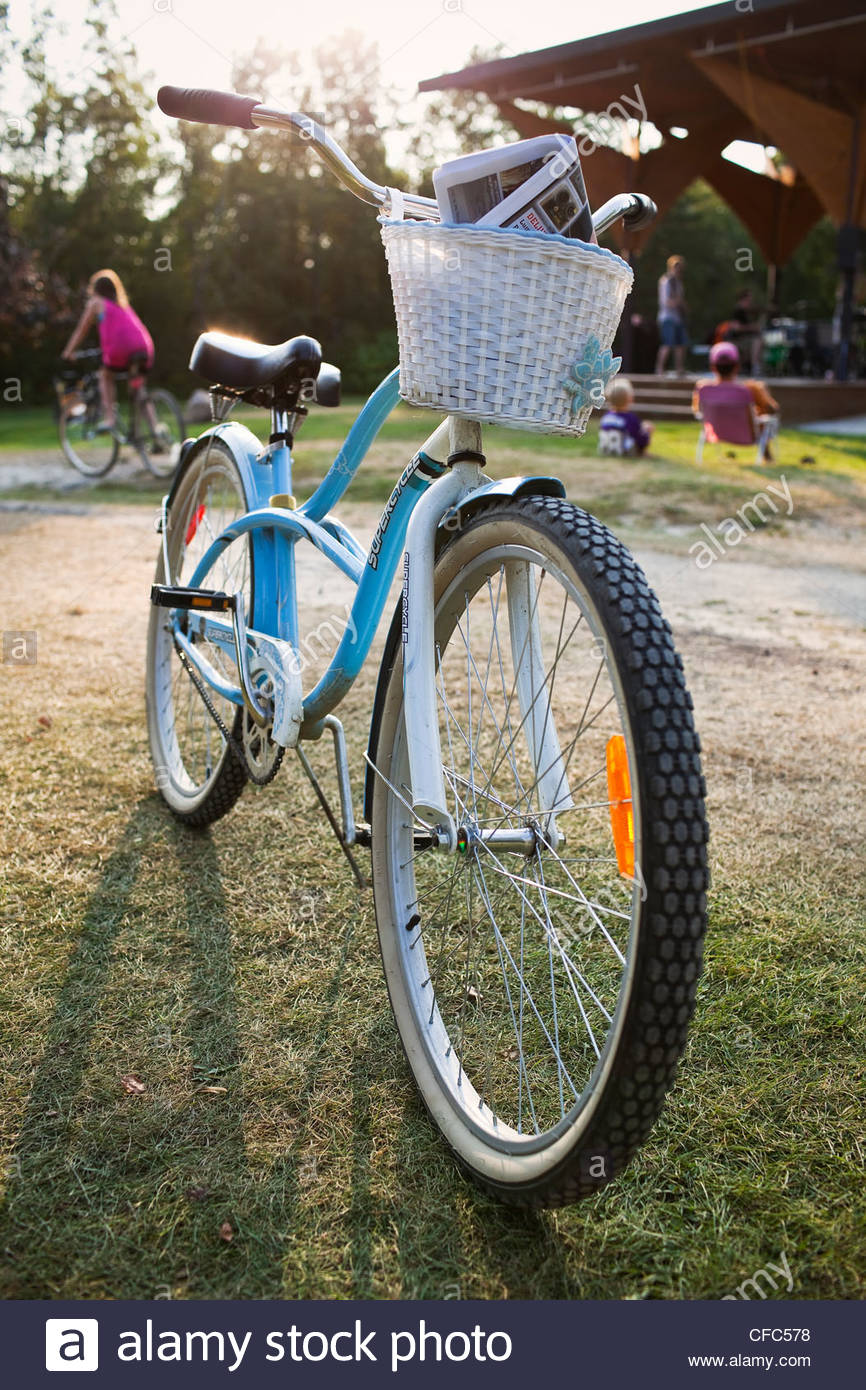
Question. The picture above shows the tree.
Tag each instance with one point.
(457, 122)
(808, 284)
(264, 241)
(81, 179)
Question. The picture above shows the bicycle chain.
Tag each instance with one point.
(236, 748)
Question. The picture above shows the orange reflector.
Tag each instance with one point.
(621, 809)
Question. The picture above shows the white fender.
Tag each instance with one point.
(464, 486)
(419, 655)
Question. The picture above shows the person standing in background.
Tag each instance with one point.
(672, 316)
(746, 331)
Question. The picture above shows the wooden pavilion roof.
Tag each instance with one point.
(788, 73)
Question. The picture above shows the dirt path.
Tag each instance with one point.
(48, 468)
(774, 655)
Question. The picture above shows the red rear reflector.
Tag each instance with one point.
(194, 523)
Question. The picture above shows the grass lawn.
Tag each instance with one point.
(667, 488)
(277, 1148)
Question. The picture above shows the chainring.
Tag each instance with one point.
(256, 750)
(261, 755)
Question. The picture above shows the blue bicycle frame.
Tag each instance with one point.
(275, 529)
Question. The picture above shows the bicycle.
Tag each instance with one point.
(154, 426)
(533, 795)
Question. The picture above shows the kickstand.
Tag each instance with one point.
(339, 831)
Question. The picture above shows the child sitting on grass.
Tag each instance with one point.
(622, 431)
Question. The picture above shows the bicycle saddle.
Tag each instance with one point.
(245, 365)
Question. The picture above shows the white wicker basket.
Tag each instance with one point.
(510, 327)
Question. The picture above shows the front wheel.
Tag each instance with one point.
(543, 975)
(86, 443)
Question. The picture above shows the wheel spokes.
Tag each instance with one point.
(210, 506)
(521, 965)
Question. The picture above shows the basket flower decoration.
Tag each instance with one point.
(588, 377)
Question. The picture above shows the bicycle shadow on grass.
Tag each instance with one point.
(83, 1165)
(452, 1238)
(125, 1196)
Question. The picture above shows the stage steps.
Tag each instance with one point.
(663, 397)
(800, 399)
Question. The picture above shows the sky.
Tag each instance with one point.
(195, 42)
(417, 38)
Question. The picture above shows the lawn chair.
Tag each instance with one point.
(728, 416)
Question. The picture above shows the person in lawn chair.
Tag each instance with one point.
(622, 431)
(733, 411)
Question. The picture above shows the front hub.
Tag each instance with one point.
(521, 839)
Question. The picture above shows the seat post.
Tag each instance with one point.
(280, 449)
(281, 420)
(279, 455)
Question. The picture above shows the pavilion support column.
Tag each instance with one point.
(848, 245)
(773, 278)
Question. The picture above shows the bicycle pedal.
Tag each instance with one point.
(202, 600)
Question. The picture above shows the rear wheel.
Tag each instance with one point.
(159, 447)
(542, 976)
(197, 771)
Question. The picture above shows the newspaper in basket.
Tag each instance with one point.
(508, 327)
(534, 185)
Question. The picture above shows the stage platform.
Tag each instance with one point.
(801, 399)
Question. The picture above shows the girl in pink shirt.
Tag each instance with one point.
(122, 336)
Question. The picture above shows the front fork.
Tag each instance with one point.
(420, 702)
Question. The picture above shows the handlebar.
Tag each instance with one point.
(226, 108)
(82, 357)
(247, 113)
(636, 210)
(207, 107)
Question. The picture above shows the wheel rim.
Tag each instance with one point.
(191, 745)
(519, 966)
